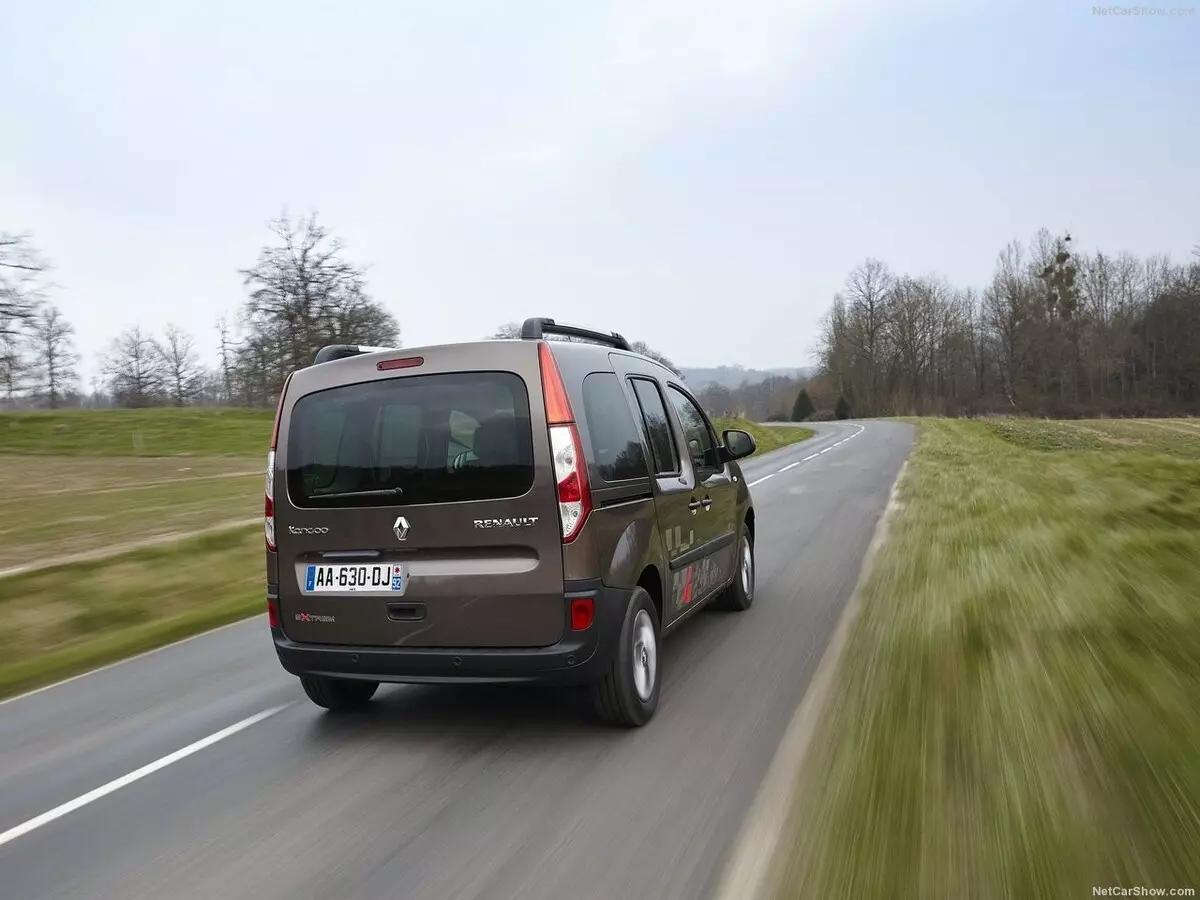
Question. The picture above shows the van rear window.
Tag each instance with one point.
(417, 439)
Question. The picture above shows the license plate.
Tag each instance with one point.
(349, 579)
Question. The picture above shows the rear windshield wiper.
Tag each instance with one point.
(342, 495)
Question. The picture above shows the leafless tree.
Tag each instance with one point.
(21, 270)
(1054, 332)
(181, 367)
(134, 366)
(303, 294)
(54, 356)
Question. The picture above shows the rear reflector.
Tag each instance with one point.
(408, 362)
(583, 612)
(272, 613)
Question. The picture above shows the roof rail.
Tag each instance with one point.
(330, 352)
(535, 329)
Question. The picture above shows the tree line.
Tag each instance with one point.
(1056, 332)
(302, 293)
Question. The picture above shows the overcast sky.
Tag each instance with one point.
(697, 174)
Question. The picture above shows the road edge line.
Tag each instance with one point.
(751, 873)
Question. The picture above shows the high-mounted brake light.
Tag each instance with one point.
(269, 494)
(570, 467)
(408, 362)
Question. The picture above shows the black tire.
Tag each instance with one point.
(338, 694)
(739, 596)
(615, 697)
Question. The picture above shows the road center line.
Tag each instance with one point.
(813, 456)
(116, 784)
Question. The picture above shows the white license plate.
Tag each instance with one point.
(347, 578)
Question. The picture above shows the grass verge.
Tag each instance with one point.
(766, 437)
(139, 432)
(56, 508)
(60, 622)
(1015, 713)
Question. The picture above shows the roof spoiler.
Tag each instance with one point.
(330, 352)
(536, 329)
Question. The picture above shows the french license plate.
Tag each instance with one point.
(349, 578)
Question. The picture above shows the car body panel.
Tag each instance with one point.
(494, 601)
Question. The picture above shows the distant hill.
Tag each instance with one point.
(733, 376)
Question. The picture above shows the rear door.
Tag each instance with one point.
(715, 490)
(419, 507)
(674, 496)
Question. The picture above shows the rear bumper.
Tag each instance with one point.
(581, 657)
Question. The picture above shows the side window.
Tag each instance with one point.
(399, 437)
(702, 445)
(462, 439)
(658, 426)
(616, 444)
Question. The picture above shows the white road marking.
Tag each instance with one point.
(792, 465)
(116, 784)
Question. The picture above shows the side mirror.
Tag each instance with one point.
(738, 445)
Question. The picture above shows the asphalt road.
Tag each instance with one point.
(437, 792)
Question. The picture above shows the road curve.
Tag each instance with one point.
(199, 771)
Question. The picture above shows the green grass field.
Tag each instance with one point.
(65, 620)
(101, 483)
(1017, 712)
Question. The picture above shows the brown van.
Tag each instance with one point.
(528, 510)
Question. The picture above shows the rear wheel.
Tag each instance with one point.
(627, 695)
(338, 694)
(740, 593)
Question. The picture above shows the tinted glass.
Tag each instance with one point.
(701, 444)
(420, 439)
(658, 427)
(616, 443)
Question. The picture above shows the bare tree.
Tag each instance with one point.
(1055, 332)
(303, 294)
(507, 331)
(21, 270)
(54, 359)
(134, 366)
(181, 367)
(14, 364)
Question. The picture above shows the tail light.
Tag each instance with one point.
(269, 499)
(570, 467)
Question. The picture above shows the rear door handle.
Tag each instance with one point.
(694, 506)
(707, 502)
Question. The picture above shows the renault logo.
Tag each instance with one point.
(400, 528)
